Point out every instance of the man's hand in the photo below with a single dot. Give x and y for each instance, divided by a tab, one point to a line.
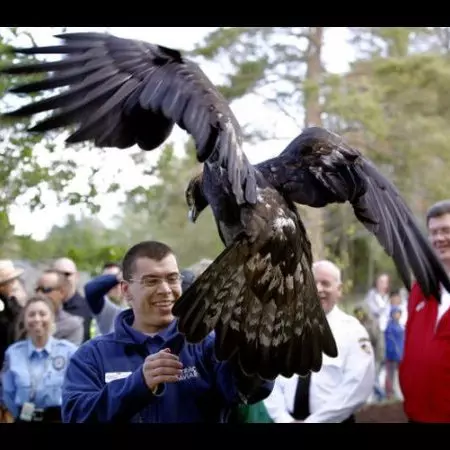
161	367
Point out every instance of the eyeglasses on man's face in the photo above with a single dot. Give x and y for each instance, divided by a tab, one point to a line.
153	281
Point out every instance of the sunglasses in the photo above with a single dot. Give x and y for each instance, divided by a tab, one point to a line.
45	290
66	274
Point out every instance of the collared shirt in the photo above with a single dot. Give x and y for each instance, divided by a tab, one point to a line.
27	366
342	385
444	305
379	307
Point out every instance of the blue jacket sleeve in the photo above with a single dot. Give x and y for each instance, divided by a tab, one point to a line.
87	398
96	289
233	385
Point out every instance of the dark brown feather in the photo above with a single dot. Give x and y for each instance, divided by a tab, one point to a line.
318	168
140	81
260	297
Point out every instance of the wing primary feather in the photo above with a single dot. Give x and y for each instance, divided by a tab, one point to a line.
318	168
171	88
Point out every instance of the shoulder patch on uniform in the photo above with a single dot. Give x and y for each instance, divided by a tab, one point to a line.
365	345
59	362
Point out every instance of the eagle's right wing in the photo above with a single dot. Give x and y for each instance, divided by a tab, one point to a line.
318	168
124	92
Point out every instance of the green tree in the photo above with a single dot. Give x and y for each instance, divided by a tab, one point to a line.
393	105
160	211
282	65
28	164
87	241
33	163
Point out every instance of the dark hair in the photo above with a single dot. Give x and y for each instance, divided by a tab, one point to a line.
438	209
110	264
39	298
19	328
147	249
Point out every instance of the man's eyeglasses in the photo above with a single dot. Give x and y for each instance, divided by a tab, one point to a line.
152	282
45	290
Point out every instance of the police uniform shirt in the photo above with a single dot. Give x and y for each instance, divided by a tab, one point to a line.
26	367
342	385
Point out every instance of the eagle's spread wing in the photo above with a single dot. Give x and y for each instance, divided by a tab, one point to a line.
124	92
260	297
318	168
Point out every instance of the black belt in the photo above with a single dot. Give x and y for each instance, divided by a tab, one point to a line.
51	414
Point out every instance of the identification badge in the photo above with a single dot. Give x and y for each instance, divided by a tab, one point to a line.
27	412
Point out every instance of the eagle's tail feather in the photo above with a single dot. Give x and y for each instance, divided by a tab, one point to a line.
202	304
281	330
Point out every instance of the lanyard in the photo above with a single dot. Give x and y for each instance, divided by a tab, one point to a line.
36	377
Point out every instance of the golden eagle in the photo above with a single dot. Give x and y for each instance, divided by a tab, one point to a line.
259	294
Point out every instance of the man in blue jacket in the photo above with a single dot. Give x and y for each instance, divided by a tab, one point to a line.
145	371
97	294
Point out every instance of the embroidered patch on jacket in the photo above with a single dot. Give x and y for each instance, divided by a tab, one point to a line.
189	372
420	305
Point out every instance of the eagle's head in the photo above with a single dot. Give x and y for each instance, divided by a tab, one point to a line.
195	198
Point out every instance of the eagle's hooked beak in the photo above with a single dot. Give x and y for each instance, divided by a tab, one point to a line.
193	214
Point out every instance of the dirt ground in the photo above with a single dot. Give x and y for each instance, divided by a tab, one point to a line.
382	413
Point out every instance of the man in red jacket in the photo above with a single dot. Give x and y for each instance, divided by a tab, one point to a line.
425	369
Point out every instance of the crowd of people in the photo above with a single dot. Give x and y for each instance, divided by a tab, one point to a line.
114	354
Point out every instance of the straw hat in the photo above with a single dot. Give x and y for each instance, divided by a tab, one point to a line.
8	272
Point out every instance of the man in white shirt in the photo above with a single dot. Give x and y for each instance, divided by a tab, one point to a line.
343	384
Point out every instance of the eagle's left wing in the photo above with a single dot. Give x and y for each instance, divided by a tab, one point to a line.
123	92
318	168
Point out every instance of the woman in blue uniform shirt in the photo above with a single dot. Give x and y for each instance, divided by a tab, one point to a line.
35	367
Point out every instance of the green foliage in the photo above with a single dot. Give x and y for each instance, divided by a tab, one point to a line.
87	241
160	211
393	105
28	164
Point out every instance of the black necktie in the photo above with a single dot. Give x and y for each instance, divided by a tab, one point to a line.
301	400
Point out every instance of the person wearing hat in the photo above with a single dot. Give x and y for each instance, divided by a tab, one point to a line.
10	310
10	307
